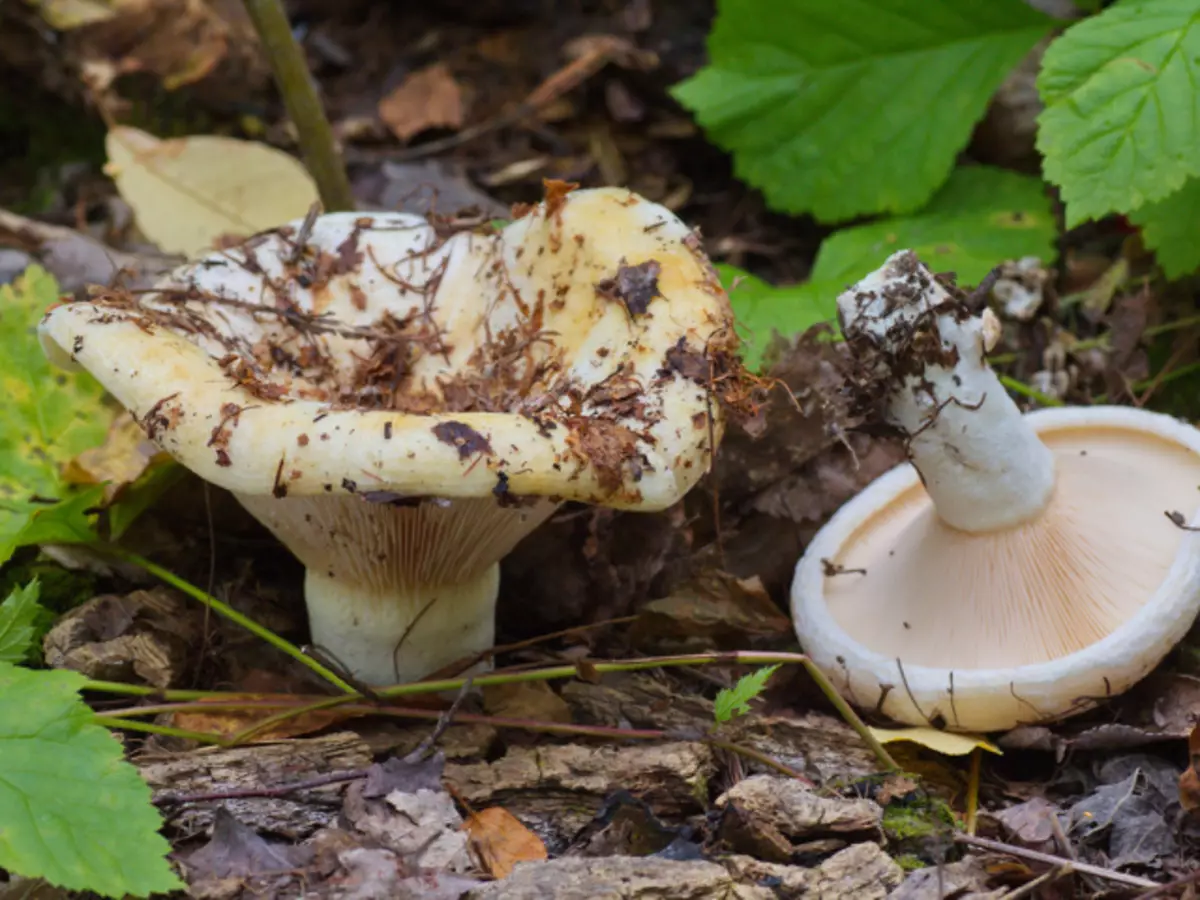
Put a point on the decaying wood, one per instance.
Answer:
(295, 816)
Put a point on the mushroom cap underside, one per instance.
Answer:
(988, 629)
(568, 355)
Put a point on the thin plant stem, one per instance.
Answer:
(350, 702)
(303, 106)
(141, 690)
(1020, 387)
(168, 577)
(973, 789)
(203, 737)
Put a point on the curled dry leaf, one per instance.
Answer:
(227, 723)
(428, 98)
(188, 192)
(124, 457)
(1189, 781)
(501, 841)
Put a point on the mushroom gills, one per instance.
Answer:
(934, 595)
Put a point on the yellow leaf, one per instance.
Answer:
(123, 457)
(189, 192)
(501, 841)
(944, 742)
(63, 15)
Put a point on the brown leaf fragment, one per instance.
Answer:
(229, 723)
(501, 841)
(525, 700)
(633, 286)
(608, 448)
(464, 437)
(125, 456)
(428, 98)
(1189, 781)
(556, 195)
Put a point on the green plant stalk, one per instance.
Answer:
(150, 728)
(548, 674)
(1020, 387)
(139, 690)
(168, 577)
(302, 103)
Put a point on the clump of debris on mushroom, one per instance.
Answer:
(402, 400)
(1021, 568)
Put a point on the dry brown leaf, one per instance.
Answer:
(123, 457)
(188, 192)
(526, 700)
(428, 98)
(1189, 781)
(501, 841)
(227, 723)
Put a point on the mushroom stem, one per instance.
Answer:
(395, 636)
(982, 464)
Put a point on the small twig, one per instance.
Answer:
(1163, 889)
(444, 720)
(303, 106)
(1048, 859)
(1028, 889)
(1179, 521)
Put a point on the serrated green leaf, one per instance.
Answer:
(856, 106)
(735, 701)
(72, 810)
(18, 613)
(1121, 125)
(47, 417)
(760, 309)
(982, 217)
(1171, 228)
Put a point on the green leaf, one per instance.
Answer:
(1171, 228)
(47, 417)
(855, 106)
(18, 614)
(735, 701)
(761, 309)
(982, 217)
(1121, 125)
(72, 810)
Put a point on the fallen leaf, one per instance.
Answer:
(188, 192)
(399, 773)
(428, 98)
(63, 15)
(714, 609)
(1189, 781)
(526, 700)
(946, 743)
(231, 722)
(501, 841)
(236, 851)
(124, 457)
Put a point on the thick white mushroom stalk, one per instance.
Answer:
(401, 401)
(1020, 568)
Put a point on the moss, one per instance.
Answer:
(914, 827)
(910, 862)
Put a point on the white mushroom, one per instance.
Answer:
(401, 401)
(1021, 568)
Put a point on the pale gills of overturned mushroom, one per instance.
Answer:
(1021, 567)
(401, 401)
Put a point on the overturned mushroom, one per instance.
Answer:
(1021, 568)
(401, 401)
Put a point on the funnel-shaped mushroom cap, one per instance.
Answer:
(338, 376)
(1022, 568)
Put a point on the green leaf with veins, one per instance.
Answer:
(735, 701)
(982, 217)
(856, 106)
(18, 615)
(760, 309)
(48, 415)
(1171, 228)
(72, 810)
(1121, 125)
